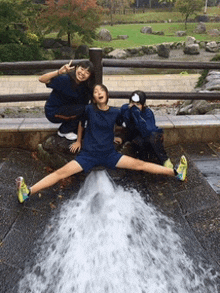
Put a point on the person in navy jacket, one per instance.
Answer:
(71, 91)
(141, 129)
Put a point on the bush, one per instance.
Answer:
(19, 52)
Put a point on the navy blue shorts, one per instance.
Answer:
(87, 160)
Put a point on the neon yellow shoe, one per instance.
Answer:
(22, 190)
(168, 164)
(182, 169)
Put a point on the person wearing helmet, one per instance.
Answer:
(141, 130)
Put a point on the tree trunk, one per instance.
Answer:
(69, 39)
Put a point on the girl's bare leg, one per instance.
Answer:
(69, 169)
(127, 162)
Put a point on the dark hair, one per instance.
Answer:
(142, 96)
(104, 88)
(86, 64)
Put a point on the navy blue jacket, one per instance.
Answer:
(66, 92)
(140, 122)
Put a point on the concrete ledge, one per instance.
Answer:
(27, 133)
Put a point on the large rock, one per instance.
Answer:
(118, 54)
(196, 107)
(201, 28)
(104, 35)
(54, 151)
(212, 47)
(214, 32)
(146, 30)
(190, 41)
(180, 33)
(192, 49)
(163, 50)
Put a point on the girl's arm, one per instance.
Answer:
(45, 78)
(76, 146)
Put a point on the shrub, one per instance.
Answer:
(19, 52)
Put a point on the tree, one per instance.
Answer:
(189, 7)
(15, 18)
(69, 17)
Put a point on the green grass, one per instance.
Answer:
(154, 18)
(136, 38)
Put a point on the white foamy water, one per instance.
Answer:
(108, 240)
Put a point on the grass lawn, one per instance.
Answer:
(156, 19)
(136, 38)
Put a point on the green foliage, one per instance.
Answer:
(189, 7)
(16, 16)
(69, 17)
(18, 52)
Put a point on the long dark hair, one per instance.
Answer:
(86, 64)
(142, 96)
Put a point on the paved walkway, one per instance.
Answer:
(148, 83)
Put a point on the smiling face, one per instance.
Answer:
(82, 74)
(100, 95)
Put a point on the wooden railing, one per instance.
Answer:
(98, 62)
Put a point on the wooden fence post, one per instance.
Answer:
(95, 55)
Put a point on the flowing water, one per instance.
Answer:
(107, 240)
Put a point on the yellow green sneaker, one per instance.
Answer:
(168, 164)
(22, 190)
(182, 169)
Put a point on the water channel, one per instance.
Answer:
(108, 239)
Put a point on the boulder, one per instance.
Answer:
(212, 47)
(201, 28)
(192, 49)
(146, 30)
(180, 33)
(163, 50)
(104, 35)
(54, 151)
(190, 41)
(118, 54)
(214, 32)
